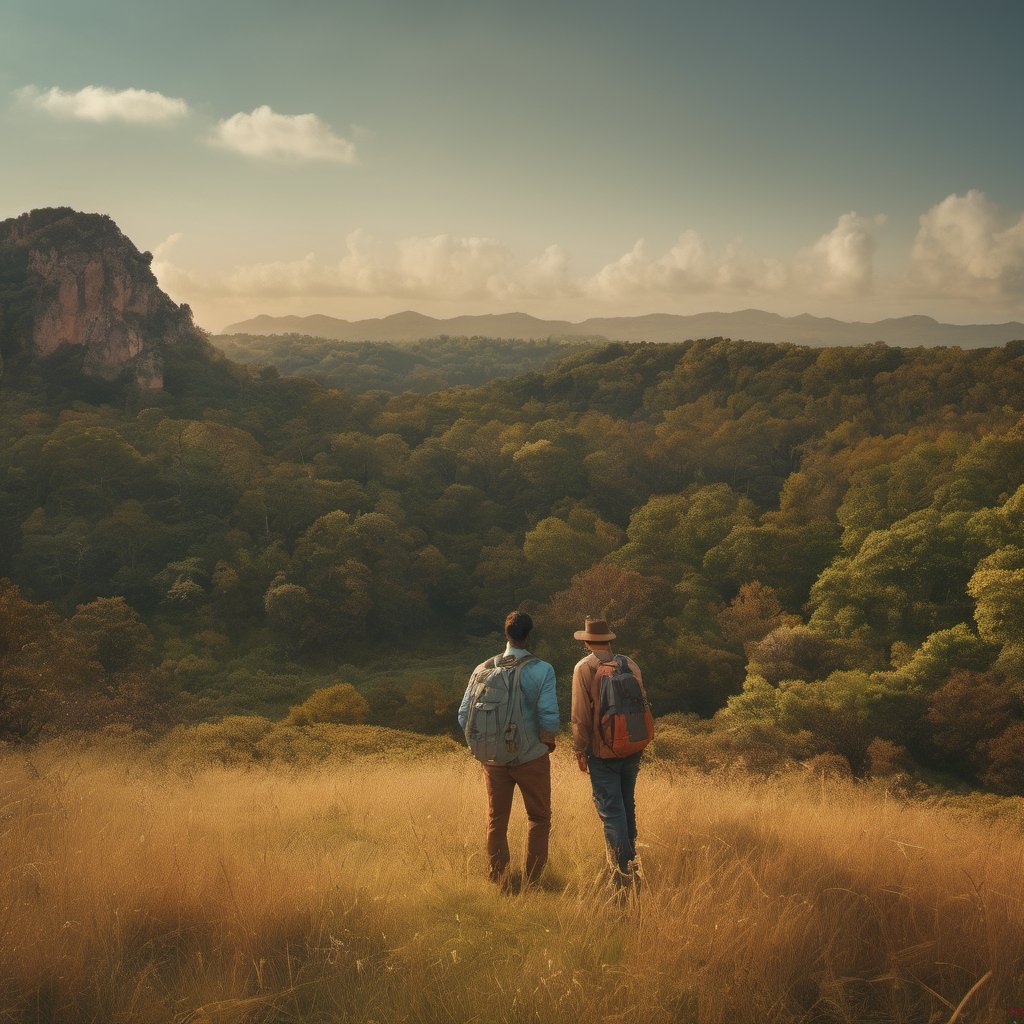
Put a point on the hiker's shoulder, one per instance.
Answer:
(539, 666)
(631, 661)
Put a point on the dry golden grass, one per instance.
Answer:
(131, 892)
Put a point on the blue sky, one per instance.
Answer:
(563, 158)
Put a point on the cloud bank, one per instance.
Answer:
(267, 135)
(100, 104)
(965, 246)
(448, 266)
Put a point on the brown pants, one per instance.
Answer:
(534, 782)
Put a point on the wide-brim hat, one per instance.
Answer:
(594, 630)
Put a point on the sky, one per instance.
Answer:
(567, 158)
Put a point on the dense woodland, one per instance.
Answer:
(421, 366)
(821, 548)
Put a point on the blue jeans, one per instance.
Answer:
(613, 780)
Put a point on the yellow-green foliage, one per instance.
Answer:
(341, 704)
(250, 739)
(759, 747)
(356, 892)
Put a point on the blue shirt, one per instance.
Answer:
(537, 681)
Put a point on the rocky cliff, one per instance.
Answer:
(73, 279)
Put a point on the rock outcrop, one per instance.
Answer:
(69, 278)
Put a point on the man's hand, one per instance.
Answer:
(547, 737)
(581, 760)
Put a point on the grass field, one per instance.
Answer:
(131, 892)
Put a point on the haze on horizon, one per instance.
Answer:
(567, 160)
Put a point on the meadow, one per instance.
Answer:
(135, 887)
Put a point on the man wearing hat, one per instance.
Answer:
(612, 778)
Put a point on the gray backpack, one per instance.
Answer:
(496, 728)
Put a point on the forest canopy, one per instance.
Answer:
(821, 548)
(421, 366)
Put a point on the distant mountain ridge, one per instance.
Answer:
(747, 324)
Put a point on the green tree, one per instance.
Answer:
(997, 587)
(672, 533)
(556, 549)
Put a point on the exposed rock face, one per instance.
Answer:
(74, 279)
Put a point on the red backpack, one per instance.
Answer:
(623, 723)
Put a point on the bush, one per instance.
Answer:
(709, 746)
(342, 704)
(829, 766)
(1002, 764)
(244, 740)
(886, 759)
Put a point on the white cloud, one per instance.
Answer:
(161, 250)
(547, 275)
(841, 262)
(453, 266)
(687, 267)
(98, 103)
(970, 247)
(267, 135)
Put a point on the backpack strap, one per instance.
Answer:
(478, 672)
(498, 661)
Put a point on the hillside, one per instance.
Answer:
(749, 324)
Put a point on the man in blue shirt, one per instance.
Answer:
(533, 777)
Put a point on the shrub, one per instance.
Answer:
(341, 704)
(829, 766)
(886, 759)
(244, 740)
(1002, 764)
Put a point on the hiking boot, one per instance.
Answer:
(636, 874)
(510, 883)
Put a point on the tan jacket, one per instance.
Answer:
(585, 698)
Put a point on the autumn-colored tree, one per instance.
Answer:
(795, 652)
(886, 759)
(628, 600)
(1002, 767)
(752, 615)
(965, 713)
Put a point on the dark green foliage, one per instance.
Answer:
(420, 366)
